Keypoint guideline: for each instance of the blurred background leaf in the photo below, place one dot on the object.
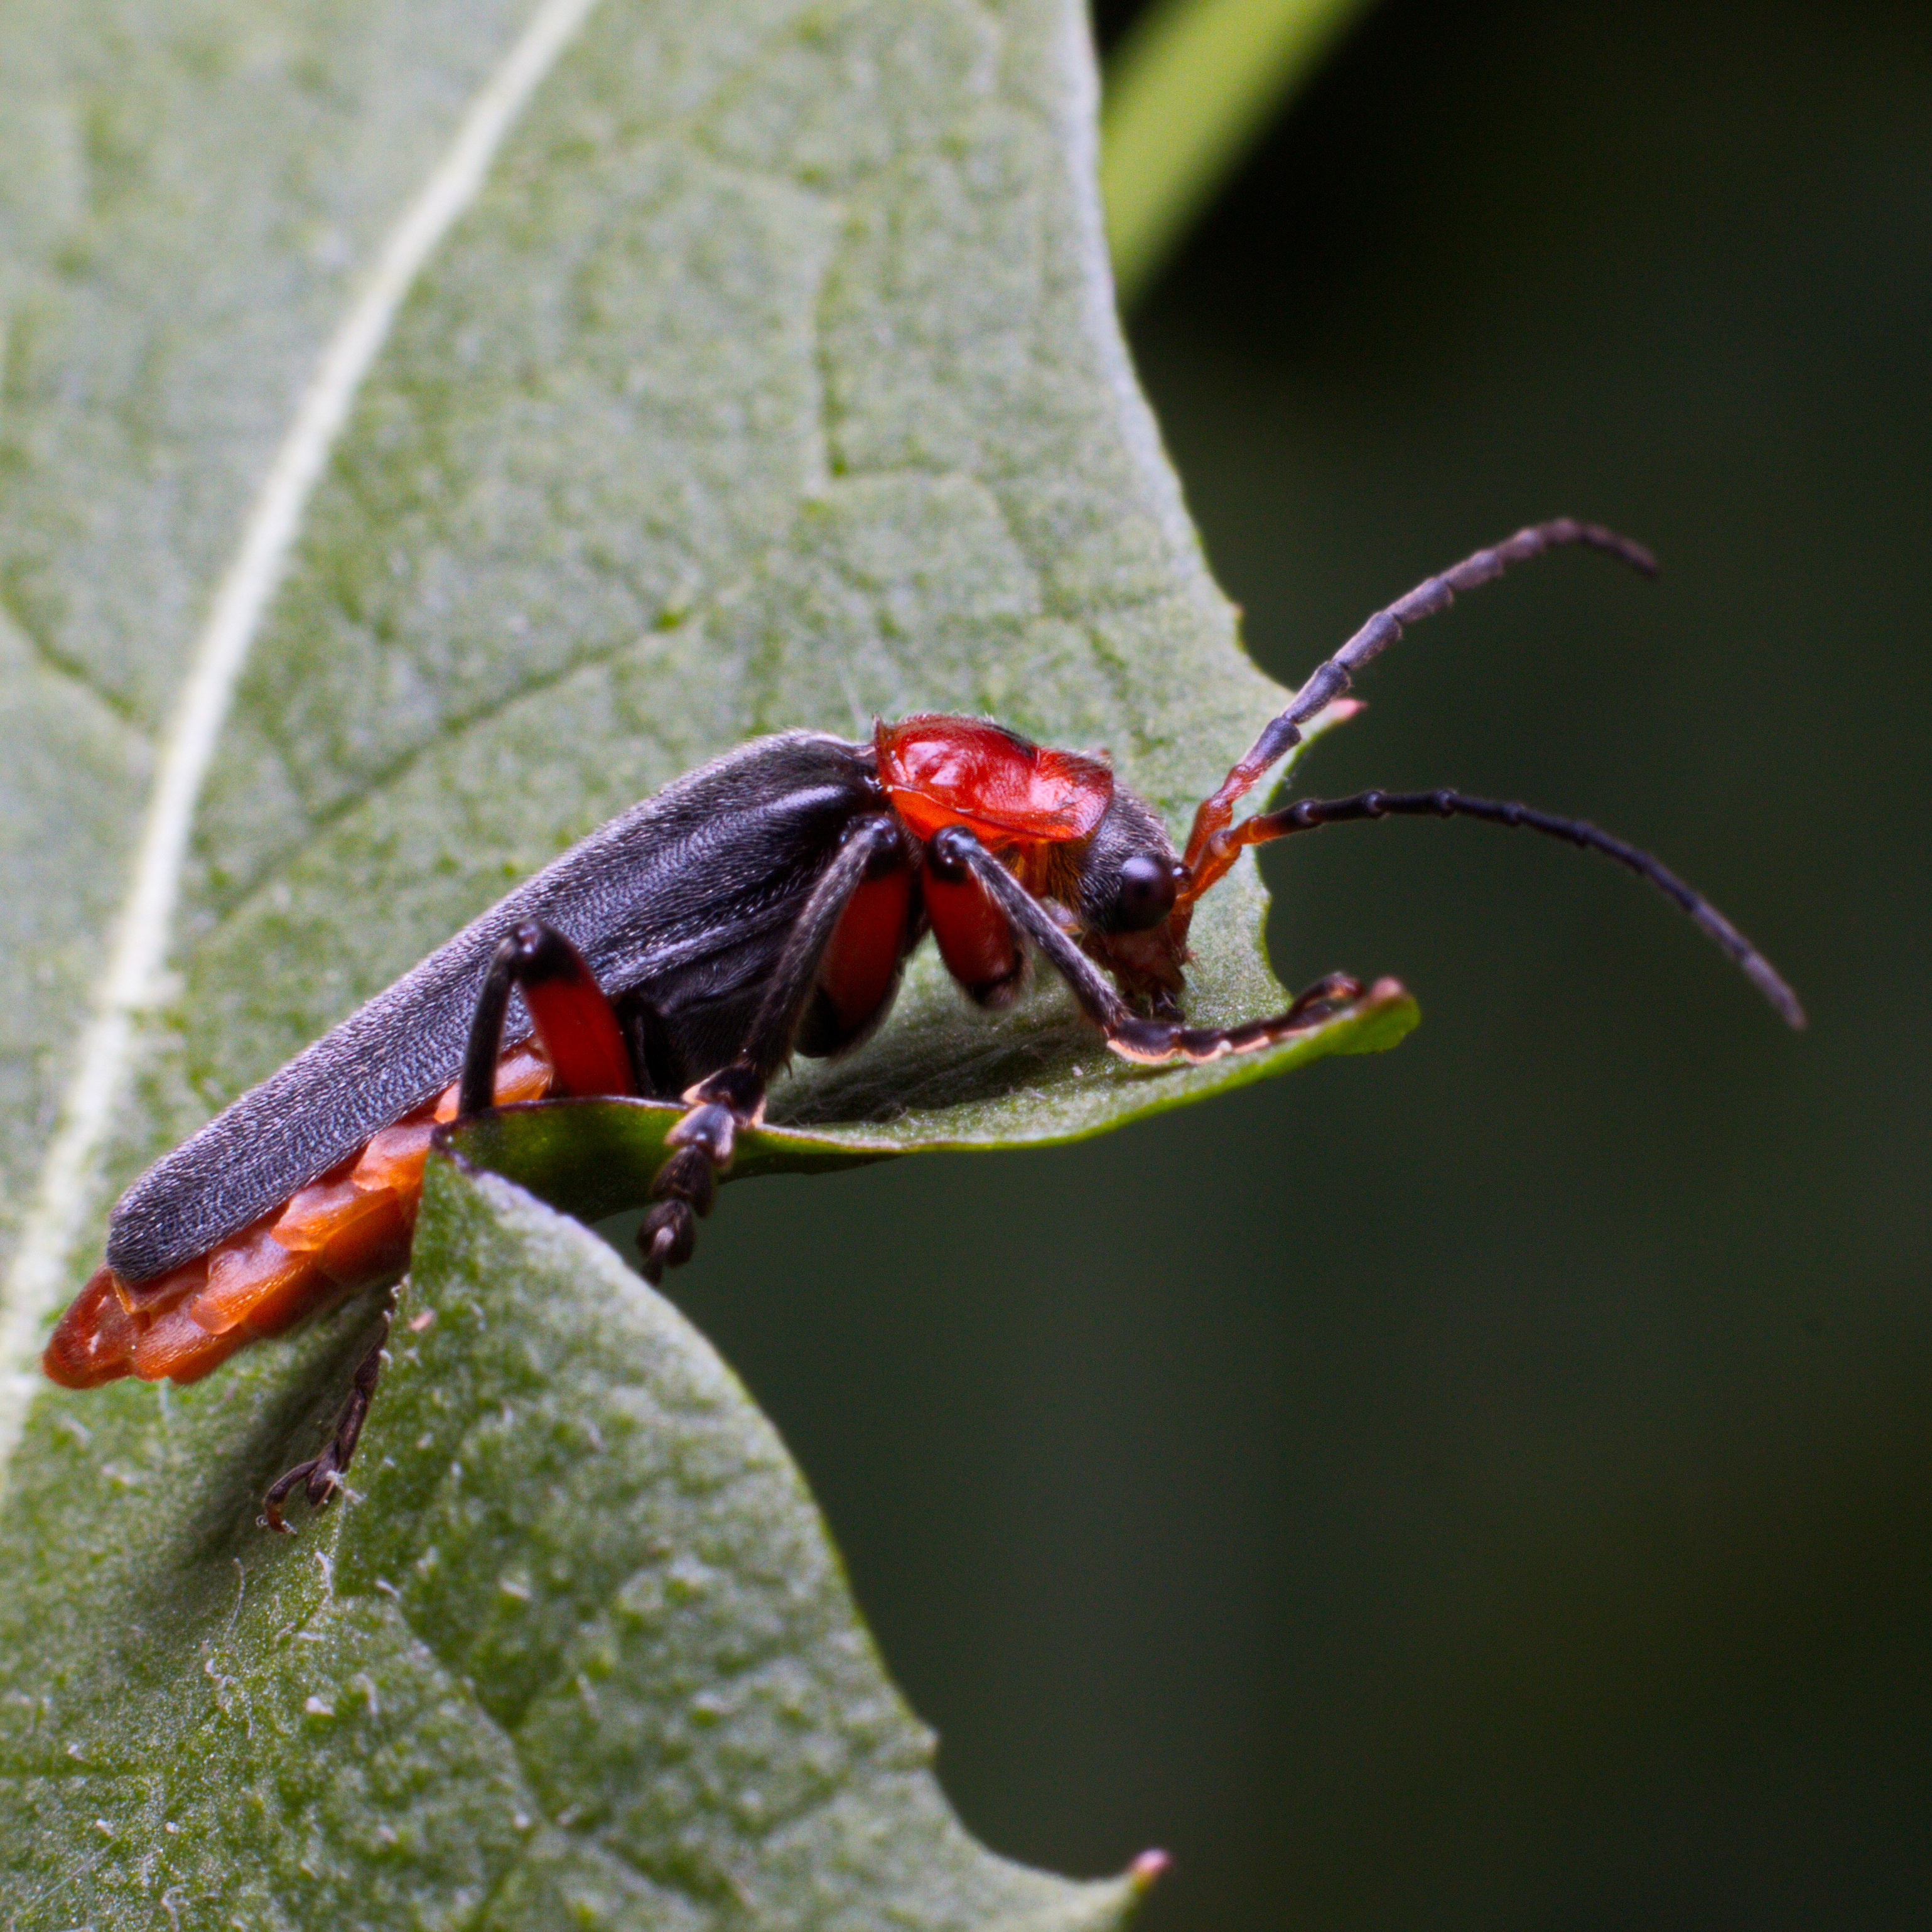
(1489, 1487)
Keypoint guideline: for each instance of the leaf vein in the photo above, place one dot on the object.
(71, 670)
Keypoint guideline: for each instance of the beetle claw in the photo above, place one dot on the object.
(687, 1183)
(668, 1234)
(321, 1476)
(279, 1491)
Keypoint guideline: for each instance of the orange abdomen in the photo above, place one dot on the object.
(349, 1229)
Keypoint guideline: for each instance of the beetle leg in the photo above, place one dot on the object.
(575, 1022)
(734, 1097)
(1328, 681)
(580, 1035)
(956, 851)
(684, 1188)
(321, 1476)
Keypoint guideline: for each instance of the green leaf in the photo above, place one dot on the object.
(581, 1655)
(427, 430)
(593, 1158)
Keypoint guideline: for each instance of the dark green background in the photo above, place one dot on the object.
(1488, 1485)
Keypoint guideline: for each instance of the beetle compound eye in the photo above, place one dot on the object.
(1147, 887)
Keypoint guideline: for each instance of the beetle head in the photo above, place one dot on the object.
(1129, 885)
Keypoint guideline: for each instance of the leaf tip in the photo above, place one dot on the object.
(1385, 1014)
(1145, 1869)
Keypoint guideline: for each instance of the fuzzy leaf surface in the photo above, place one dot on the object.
(769, 377)
(578, 1654)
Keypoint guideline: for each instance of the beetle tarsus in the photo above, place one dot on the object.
(686, 1186)
(321, 1476)
(711, 1127)
(666, 1239)
(1154, 1042)
(1323, 1000)
(687, 1183)
(690, 1174)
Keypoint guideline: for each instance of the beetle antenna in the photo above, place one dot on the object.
(1305, 814)
(1329, 680)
